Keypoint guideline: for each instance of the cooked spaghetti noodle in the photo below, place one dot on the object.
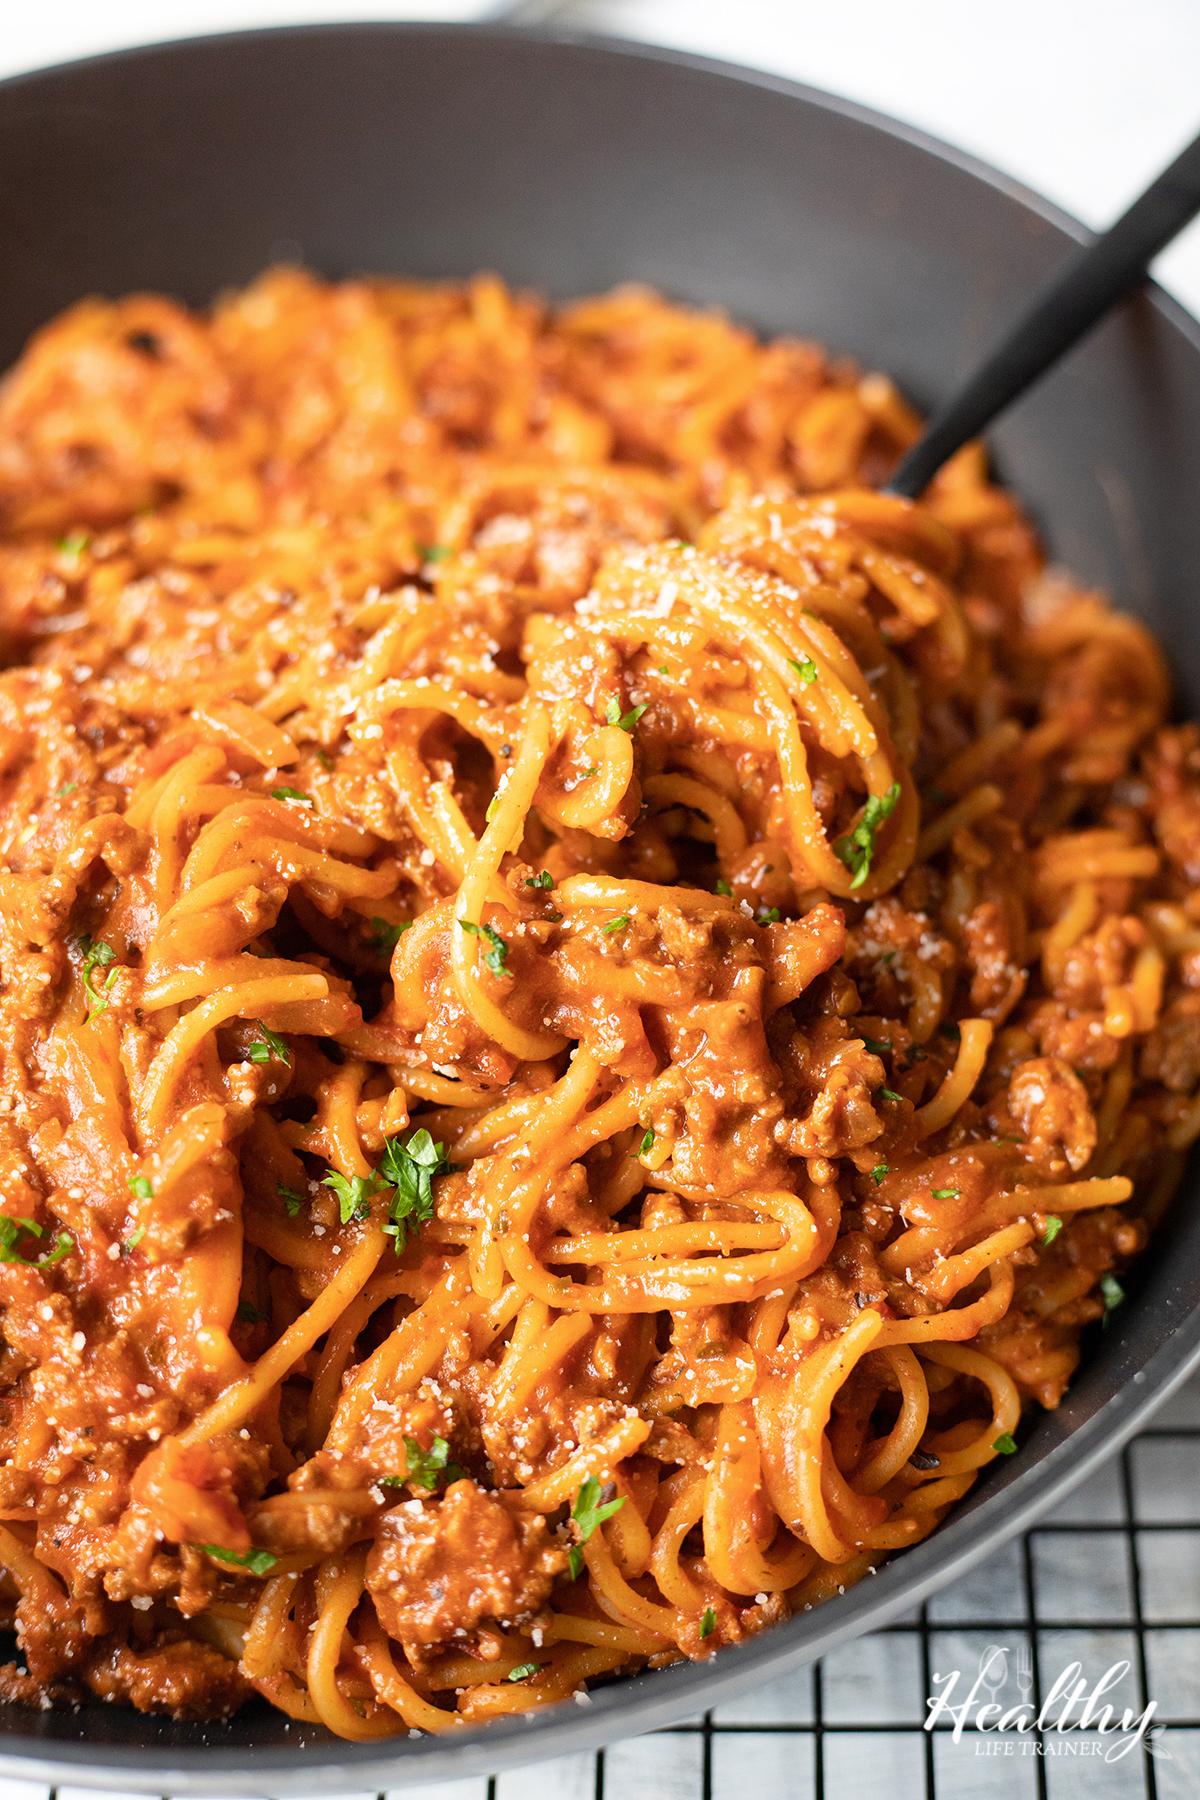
(590, 1005)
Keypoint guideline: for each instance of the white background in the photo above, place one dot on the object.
(1084, 100)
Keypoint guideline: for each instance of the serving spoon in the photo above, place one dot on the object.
(1073, 303)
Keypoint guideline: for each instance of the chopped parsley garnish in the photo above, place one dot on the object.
(96, 955)
(250, 1315)
(1006, 1444)
(586, 774)
(492, 804)
(74, 544)
(1113, 1293)
(523, 1671)
(68, 787)
(410, 1168)
(131, 1243)
(858, 847)
(647, 1143)
(878, 1173)
(383, 937)
(708, 1623)
(13, 1230)
(292, 1201)
(618, 924)
(272, 1045)
(543, 882)
(426, 1467)
(434, 553)
(496, 955)
(142, 1186)
(876, 1047)
(626, 721)
(948, 1029)
(259, 1562)
(286, 793)
(663, 669)
(723, 887)
(890, 1094)
(353, 1192)
(588, 1514)
(945, 1193)
(1053, 1226)
(324, 758)
(767, 915)
(806, 669)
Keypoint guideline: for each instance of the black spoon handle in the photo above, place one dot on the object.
(1074, 303)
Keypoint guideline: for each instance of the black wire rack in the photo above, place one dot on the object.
(1111, 1577)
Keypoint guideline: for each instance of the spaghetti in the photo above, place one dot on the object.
(590, 1004)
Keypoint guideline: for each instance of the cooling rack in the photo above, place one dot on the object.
(1111, 1577)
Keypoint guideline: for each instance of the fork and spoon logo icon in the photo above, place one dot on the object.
(993, 1669)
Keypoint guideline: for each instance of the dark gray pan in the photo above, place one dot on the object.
(572, 164)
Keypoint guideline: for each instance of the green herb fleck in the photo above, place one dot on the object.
(858, 847)
(496, 955)
(586, 774)
(353, 1192)
(131, 1243)
(663, 669)
(626, 721)
(1113, 1293)
(324, 758)
(806, 669)
(272, 1045)
(647, 1143)
(523, 1671)
(96, 955)
(410, 1168)
(708, 1623)
(434, 553)
(427, 1467)
(723, 887)
(73, 545)
(292, 1201)
(543, 882)
(68, 787)
(13, 1230)
(948, 1029)
(384, 937)
(767, 915)
(1053, 1226)
(588, 1514)
(259, 1562)
(617, 924)
(287, 793)
(250, 1315)
(876, 1047)
(878, 1173)
(1006, 1444)
(890, 1094)
(945, 1193)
